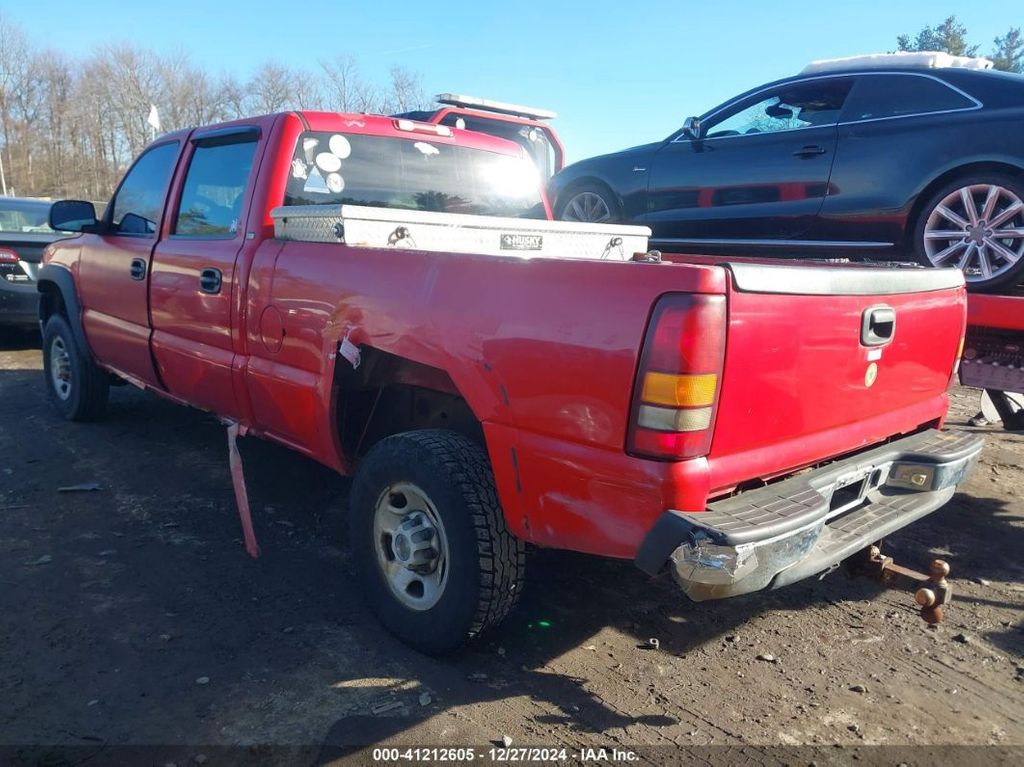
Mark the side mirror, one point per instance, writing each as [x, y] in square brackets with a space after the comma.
[72, 215]
[691, 126]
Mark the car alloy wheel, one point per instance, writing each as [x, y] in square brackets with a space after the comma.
[587, 207]
[978, 228]
[411, 545]
[60, 368]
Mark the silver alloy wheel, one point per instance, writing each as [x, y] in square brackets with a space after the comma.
[411, 546]
[60, 368]
[587, 207]
[979, 228]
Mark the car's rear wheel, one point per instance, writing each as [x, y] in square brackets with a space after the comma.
[74, 384]
[590, 203]
[975, 223]
[429, 540]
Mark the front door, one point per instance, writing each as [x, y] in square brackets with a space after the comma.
[114, 267]
[758, 172]
[194, 285]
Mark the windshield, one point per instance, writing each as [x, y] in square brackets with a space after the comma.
[24, 216]
[411, 174]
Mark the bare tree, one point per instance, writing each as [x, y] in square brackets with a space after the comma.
[71, 126]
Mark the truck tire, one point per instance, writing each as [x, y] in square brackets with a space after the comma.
[429, 542]
[74, 384]
[952, 230]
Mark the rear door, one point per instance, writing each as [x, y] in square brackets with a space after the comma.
[806, 378]
[194, 284]
[114, 267]
[759, 171]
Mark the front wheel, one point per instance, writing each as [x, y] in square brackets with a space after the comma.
[976, 224]
[77, 388]
[429, 540]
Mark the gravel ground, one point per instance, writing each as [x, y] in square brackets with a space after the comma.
[130, 615]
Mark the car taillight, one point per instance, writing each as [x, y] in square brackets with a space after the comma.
[8, 256]
[679, 378]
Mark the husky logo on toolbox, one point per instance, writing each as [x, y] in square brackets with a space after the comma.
[522, 242]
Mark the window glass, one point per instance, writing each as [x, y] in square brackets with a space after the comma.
[211, 200]
[796, 106]
[878, 96]
[24, 216]
[140, 199]
[411, 174]
[534, 140]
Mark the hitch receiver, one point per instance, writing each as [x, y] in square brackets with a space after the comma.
[933, 590]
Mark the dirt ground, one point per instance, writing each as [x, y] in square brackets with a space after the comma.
[131, 615]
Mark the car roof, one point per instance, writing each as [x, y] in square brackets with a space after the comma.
[957, 76]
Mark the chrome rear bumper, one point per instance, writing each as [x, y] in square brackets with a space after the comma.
[800, 526]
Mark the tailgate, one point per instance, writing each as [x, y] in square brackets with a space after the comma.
[810, 373]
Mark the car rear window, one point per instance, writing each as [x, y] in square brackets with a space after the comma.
[411, 174]
[24, 217]
[893, 95]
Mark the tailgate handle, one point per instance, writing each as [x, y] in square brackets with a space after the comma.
[878, 325]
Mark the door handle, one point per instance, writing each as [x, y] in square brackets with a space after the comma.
[210, 280]
[809, 151]
[877, 325]
[138, 269]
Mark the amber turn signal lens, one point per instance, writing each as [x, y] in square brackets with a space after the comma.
[679, 390]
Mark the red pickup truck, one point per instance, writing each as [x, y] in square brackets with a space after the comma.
[495, 379]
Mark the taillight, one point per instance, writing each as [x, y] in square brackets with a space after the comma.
[8, 256]
[679, 378]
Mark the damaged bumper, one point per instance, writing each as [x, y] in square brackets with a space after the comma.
[795, 528]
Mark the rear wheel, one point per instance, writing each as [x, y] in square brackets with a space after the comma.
[590, 203]
[429, 540]
[75, 385]
[977, 224]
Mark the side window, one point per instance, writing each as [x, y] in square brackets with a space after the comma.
[140, 198]
[214, 190]
[800, 105]
[891, 95]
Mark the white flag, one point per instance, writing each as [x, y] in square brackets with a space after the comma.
[154, 117]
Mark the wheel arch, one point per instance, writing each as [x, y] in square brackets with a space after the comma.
[57, 295]
[947, 177]
[389, 394]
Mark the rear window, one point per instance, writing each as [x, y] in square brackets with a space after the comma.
[411, 174]
[891, 95]
[24, 217]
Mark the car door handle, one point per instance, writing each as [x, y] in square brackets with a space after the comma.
[210, 280]
[809, 151]
[138, 269]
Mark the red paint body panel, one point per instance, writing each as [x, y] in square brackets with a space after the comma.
[794, 392]
[1002, 312]
[544, 351]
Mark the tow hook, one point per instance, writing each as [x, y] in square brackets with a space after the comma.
[933, 590]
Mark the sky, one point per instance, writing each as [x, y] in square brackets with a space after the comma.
[617, 73]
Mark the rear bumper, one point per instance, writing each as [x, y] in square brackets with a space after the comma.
[19, 303]
[781, 533]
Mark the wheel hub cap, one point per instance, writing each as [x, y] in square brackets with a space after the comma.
[978, 228]
[411, 546]
[60, 369]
